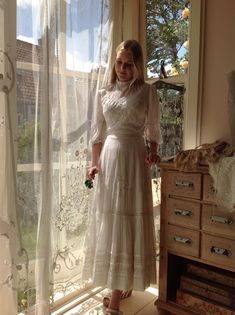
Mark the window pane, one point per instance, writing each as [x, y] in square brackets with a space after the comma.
[171, 122]
[167, 36]
[70, 53]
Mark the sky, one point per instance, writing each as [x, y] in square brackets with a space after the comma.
[82, 30]
[28, 20]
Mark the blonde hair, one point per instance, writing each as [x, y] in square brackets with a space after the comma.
[134, 47]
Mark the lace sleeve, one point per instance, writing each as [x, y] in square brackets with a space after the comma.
[98, 124]
[153, 132]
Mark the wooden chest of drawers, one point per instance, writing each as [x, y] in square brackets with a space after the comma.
[193, 229]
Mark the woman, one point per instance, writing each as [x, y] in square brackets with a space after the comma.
[120, 244]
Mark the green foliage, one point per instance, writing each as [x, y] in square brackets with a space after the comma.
[27, 142]
[29, 150]
[166, 32]
[26, 298]
[28, 187]
[29, 238]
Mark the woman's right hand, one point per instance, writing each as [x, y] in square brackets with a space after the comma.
[92, 171]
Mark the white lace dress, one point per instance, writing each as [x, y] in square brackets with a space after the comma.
[120, 244]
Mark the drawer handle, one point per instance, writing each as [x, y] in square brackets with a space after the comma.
[220, 251]
[184, 213]
[183, 240]
[218, 219]
[213, 190]
[183, 183]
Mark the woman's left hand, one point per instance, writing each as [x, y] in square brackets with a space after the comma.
[153, 158]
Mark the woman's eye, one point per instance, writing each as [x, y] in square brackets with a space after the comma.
[127, 65]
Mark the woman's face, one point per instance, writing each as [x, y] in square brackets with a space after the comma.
[124, 66]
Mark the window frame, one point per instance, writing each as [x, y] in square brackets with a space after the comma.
[193, 79]
[192, 127]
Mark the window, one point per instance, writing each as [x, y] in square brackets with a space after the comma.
[173, 41]
[167, 37]
[60, 61]
[173, 66]
[167, 59]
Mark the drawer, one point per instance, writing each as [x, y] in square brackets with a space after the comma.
[208, 189]
[183, 241]
[218, 250]
[183, 184]
[184, 213]
[216, 220]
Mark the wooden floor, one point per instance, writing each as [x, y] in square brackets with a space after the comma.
[139, 303]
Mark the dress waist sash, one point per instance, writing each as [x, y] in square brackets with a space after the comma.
[122, 136]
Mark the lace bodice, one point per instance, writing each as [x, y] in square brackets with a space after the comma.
[126, 114]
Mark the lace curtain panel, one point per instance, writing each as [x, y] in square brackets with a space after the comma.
[61, 59]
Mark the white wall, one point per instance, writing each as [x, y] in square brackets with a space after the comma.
[219, 59]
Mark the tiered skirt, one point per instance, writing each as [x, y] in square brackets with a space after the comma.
[120, 243]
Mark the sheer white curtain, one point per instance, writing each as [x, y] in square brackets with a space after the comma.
[62, 57]
[9, 231]
[63, 48]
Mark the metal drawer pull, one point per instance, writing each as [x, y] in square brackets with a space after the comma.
[183, 183]
[220, 251]
[212, 189]
[185, 213]
[183, 240]
[218, 219]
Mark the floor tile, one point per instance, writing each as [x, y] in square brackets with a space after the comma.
[150, 309]
[139, 303]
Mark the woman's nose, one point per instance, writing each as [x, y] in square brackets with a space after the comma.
[123, 66]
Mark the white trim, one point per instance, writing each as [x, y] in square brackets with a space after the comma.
[193, 91]
[134, 24]
[201, 62]
[177, 79]
[76, 299]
